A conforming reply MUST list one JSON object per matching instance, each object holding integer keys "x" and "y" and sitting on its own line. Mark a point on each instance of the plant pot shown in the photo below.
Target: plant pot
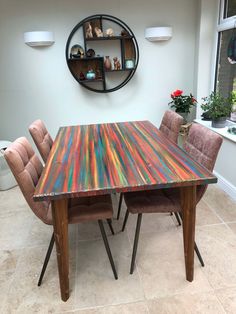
{"x": 218, "y": 123}
{"x": 185, "y": 115}
{"x": 233, "y": 116}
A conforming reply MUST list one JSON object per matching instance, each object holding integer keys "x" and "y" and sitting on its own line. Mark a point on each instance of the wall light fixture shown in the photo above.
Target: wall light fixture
{"x": 158, "y": 33}
{"x": 39, "y": 38}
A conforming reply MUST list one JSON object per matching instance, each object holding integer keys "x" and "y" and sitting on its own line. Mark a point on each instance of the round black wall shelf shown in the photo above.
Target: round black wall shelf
{"x": 102, "y": 53}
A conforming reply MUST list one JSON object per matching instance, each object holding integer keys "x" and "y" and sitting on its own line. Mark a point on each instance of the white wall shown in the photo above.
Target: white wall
{"x": 225, "y": 165}
{"x": 206, "y": 47}
{"x": 36, "y": 83}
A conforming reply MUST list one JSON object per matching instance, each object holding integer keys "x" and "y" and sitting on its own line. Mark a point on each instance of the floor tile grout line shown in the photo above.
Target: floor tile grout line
{"x": 220, "y": 224}
{"x": 100, "y": 306}
{"x": 209, "y": 204}
{"x": 210, "y": 225}
{"x": 220, "y": 302}
{"x": 228, "y": 227}
{"x": 230, "y": 222}
{"x": 214, "y": 211}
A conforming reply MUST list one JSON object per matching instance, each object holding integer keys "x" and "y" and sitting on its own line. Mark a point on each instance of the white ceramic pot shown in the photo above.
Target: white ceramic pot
{"x": 233, "y": 116}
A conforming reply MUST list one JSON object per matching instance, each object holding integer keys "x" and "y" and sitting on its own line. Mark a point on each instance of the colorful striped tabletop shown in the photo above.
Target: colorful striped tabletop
{"x": 102, "y": 158}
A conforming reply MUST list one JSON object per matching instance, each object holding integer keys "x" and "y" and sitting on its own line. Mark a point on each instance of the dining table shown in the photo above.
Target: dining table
{"x": 96, "y": 159}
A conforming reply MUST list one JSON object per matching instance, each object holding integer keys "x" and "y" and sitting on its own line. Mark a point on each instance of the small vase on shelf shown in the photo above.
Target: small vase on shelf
{"x": 107, "y": 63}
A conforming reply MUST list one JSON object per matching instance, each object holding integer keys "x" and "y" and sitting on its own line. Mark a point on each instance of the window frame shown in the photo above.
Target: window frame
{"x": 224, "y": 24}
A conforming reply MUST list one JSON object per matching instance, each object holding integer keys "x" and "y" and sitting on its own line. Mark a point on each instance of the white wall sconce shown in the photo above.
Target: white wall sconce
{"x": 158, "y": 33}
{"x": 39, "y": 38}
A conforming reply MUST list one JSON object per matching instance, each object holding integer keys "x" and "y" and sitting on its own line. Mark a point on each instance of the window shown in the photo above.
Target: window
{"x": 229, "y": 8}
{"x": 225, "y": 81}
{"x": 226, "y": 71}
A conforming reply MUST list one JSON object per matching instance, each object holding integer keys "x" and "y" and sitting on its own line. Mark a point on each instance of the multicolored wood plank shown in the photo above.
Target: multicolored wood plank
{"x": 101, "y": 158}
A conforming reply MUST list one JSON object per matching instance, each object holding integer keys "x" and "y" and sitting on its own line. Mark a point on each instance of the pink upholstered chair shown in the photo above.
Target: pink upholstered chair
{"x": 44, "y": 142}
{"x": 27, "y": 168}
{"x": 203, "y": 145}
{"x": 42, "y": 138}
{"x": 170, "y": 127}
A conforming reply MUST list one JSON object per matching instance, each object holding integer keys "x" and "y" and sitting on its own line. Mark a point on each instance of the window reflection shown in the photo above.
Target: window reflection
{"x": 226, "y": 72}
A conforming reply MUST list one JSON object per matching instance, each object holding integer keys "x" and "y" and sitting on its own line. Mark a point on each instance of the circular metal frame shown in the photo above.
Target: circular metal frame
{"x": 122, "y": 25}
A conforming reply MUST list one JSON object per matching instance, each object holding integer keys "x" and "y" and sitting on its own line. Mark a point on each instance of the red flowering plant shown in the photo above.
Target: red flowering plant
{"x": 182, "y": 103}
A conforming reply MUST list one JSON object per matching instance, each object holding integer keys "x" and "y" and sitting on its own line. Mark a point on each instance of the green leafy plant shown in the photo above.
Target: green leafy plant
{"x": 217, "y": 106}
{"x": 182, "y": 103}
{"x": 233, "y": 102}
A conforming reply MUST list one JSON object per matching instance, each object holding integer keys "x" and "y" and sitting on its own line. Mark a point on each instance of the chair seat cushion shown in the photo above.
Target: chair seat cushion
{"x": 151, "y": 201}
{"x": 84, "y": 209}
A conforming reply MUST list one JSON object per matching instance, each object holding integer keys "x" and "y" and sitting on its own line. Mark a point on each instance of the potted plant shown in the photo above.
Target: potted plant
{"x": 233, "y": 110}
{"x": 182, "y": 103}
{"x": 233, "y": 113}
{"x": 218, "y": 108}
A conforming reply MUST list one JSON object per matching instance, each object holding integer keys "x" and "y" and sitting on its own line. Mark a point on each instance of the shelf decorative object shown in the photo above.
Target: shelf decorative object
{"x": 76, "y": 52}
{"x": 110, "y": 32}
{"x": 90, "y": 53}
{"x": 117, "y": 65}
{"x": 98, "y": 31}
{"x": 107, "y": 63}
{"x": 129, "y": 63}
{"x": 90, "y": 75}
{"x": 102, "y": 35}
{"x": 88, "y": 30}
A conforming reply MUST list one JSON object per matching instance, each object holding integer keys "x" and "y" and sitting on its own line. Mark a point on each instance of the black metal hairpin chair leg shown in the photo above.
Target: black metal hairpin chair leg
{"x": 139, "y": 220}
{"x": 125, "y": 220}
{"x": 177, "y": 218}
{"x": 198, "y": 254}
{"x": 179, "y": 215}
{"x": 47, "y": 257}
{"x": 119, "y": 207}
{"x": 107, "y": 248}
{"x": 110, "y": 226}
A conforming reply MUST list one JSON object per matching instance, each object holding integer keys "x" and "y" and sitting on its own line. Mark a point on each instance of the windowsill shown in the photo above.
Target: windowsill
{"x": 221, "y": 131}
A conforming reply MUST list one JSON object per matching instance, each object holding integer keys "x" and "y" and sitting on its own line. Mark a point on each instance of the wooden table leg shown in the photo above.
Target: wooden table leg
{"x": 60, "y": 225}
{"x": 188, "y": 203}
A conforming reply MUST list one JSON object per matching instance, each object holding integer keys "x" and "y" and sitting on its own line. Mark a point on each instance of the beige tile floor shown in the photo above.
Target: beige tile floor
{"x": 158, "y": 284}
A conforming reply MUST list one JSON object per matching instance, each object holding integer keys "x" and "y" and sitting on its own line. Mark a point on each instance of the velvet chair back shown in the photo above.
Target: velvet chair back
{"x": 42, "y": 138}
{"x": 203, "y": 145}
{"x": 170, "y": 125}
{"x": 27, "y": 168}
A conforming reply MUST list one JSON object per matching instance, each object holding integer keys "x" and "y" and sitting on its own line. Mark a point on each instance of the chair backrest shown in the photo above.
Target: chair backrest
{"x": 170, "y": 125}
{"x": 42, "y": 138}
{"x": 203, "y": 145}
{"x": 27, "y": 168}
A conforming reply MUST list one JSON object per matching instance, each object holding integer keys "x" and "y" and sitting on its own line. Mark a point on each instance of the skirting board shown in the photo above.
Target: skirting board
{"x": 225, "y": 185}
